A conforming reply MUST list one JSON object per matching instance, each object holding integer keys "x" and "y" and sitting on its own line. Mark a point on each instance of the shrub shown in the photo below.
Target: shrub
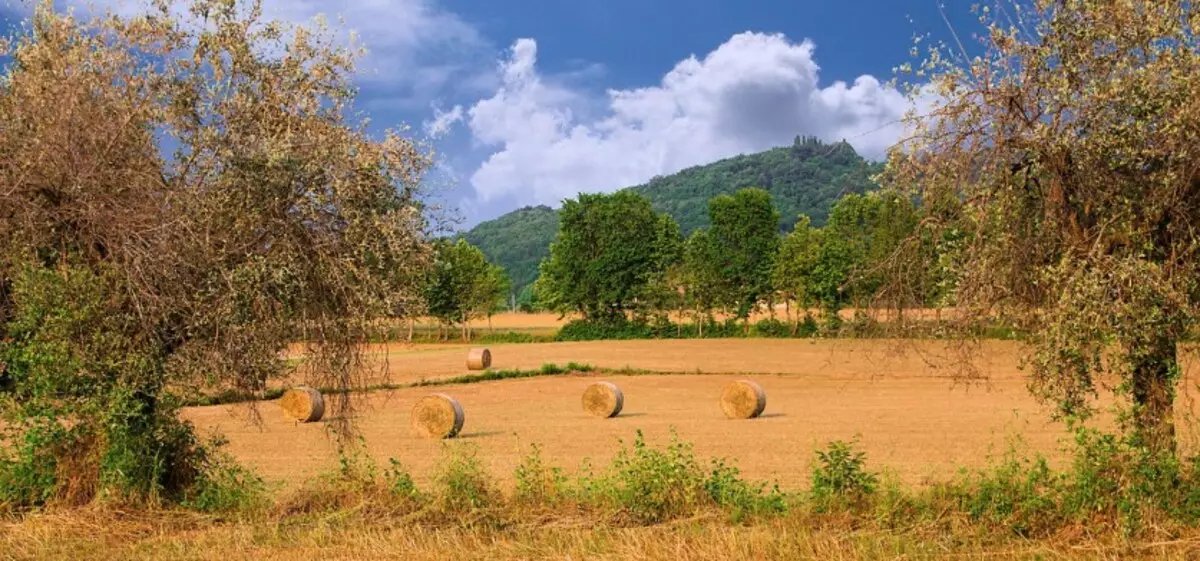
{"x": 537, "y": 482}
{"x": 463, "y": 484}
{"x": 400, "y": 482}
{"x": 840, "y": 473}
{"x": 588, "y": 330}
{"x": 225, "y": 486}
{"x": 654, "y": 485}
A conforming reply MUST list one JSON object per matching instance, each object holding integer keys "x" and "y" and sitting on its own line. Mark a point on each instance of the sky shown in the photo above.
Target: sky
{"x": 529, "y": 102}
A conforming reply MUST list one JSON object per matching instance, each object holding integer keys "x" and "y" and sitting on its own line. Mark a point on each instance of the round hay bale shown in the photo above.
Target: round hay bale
{"x": 303, "y": 404}
{"x": 437, "y": 416}
{"x": 743, "y": 399}
{"x": 479, "y": 359}
{"x": 603, "y": 399}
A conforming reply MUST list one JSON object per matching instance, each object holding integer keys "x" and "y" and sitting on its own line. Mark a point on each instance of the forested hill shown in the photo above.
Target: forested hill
{"x": 517, "y": 241}
{"x": 805, "y": 178}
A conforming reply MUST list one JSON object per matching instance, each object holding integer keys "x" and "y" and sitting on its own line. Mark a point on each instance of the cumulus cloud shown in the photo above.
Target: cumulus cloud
{"x": 753, "y": 92}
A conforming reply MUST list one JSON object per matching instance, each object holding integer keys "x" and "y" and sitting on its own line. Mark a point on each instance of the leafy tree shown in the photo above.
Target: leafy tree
{"x": 702, "y": 276}
{"x": 129, "y": 275}
{"x": 603, "y": 258}
{"x": 463, "y": 286}
{"x": 795, "y": 266}
{"x": 528, "y": 301}
{"x": 1070, "y": 143}
{"x": 873, "y": 227}
{"x": 662, "y": 293}
{"x": 746, "y": 237}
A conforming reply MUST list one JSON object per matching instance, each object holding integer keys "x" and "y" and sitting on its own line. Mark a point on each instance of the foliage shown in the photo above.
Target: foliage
{"x": 1069, "y": 144}
{"x": 653, "y": 485}
{"x": 517, "y": 241}
{"x": 463, "y": 483}
{"x": 840, "y": 473}
{"x": 745, "y": 239}
{"x": 803, "y": 179}
{"x": 528, "y": 301}
{"x": 604, "y": 256}
{"x": 129, "y": 273}
{"x": 462, "y": 285}
{"x": 538, "y": 482}
{"x": 584, "y": 330}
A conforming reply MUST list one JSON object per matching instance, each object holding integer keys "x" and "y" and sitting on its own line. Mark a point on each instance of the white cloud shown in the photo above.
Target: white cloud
{"x": 753, "y": 92}
{"x": 413, "y": 46}
{"x": 443, "y": 120}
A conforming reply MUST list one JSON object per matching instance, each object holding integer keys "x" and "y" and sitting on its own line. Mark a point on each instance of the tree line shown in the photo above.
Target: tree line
{"x": 616, "y": 260}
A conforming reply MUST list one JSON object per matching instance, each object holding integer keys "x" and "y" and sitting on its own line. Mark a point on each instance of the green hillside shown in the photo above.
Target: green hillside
{"x": 518, "y": 241}
{"x": 805, "y": 178}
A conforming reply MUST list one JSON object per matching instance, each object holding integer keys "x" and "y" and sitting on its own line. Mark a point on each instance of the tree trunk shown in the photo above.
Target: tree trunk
{"x": 1155, "y": 368}
{"x": 411, "y": 321}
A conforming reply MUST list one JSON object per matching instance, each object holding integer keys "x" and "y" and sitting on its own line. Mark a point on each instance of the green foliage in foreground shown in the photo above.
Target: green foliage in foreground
{"x": 1109, "y": 486}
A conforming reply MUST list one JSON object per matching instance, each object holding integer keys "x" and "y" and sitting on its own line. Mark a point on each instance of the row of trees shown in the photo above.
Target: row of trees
{"x": 615, "y": 259}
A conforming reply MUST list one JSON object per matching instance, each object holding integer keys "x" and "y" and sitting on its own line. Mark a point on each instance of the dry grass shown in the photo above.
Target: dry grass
{"x": 167, "y": 536}
{"x": 843, "y": 358}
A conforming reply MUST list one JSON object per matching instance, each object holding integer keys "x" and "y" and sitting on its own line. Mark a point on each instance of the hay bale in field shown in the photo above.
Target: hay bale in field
{"x": 303, "y": 404}
{"x": 438, "y": 416}
{"x": 743, "y": 399}
{"x": 603, "y": 399}
{"x": 479, "y": 359}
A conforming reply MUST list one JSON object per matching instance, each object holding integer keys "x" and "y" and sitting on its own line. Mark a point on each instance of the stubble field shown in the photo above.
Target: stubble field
{"x": 907, "y": 403}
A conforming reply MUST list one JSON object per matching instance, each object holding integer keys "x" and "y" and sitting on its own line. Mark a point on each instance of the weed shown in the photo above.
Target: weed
{"x": 840, "y": 474}
{"x": 537, "y": 482}
{"x": 462, "y": 482}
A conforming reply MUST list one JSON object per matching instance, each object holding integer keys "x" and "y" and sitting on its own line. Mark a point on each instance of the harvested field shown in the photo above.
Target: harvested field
{"x": 405, "y": 363}
{"x": 912, "y": 417}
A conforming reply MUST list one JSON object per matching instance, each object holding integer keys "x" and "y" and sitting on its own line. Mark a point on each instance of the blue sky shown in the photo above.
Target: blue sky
{"x": 532, "y": 101}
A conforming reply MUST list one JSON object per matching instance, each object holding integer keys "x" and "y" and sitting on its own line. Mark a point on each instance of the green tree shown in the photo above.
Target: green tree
{"x": 528, "y": 301}
{"x": 463, "y": 286}
{"x": 662, "y": 293}
{"x": 874, "y": 229}
{"x": 796, "y": 264}
{"x": 603, "y": 258}
{"x": 134, "y": 270}
{"x": 745, "y": 233}
{"x": 1070, "y": 142}
{"x": 701, "y": 276}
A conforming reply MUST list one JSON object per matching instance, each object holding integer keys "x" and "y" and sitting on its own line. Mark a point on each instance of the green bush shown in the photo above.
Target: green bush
{"x": 400, "y": 482}
{"x": 225, "y": 486}
{"x": 463, "y": 484}
{"x": 652, "y": 485}
{"x": 585, "y": 330}
{"x": 538, "y": 482}
{"x": 840, "y": 473}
